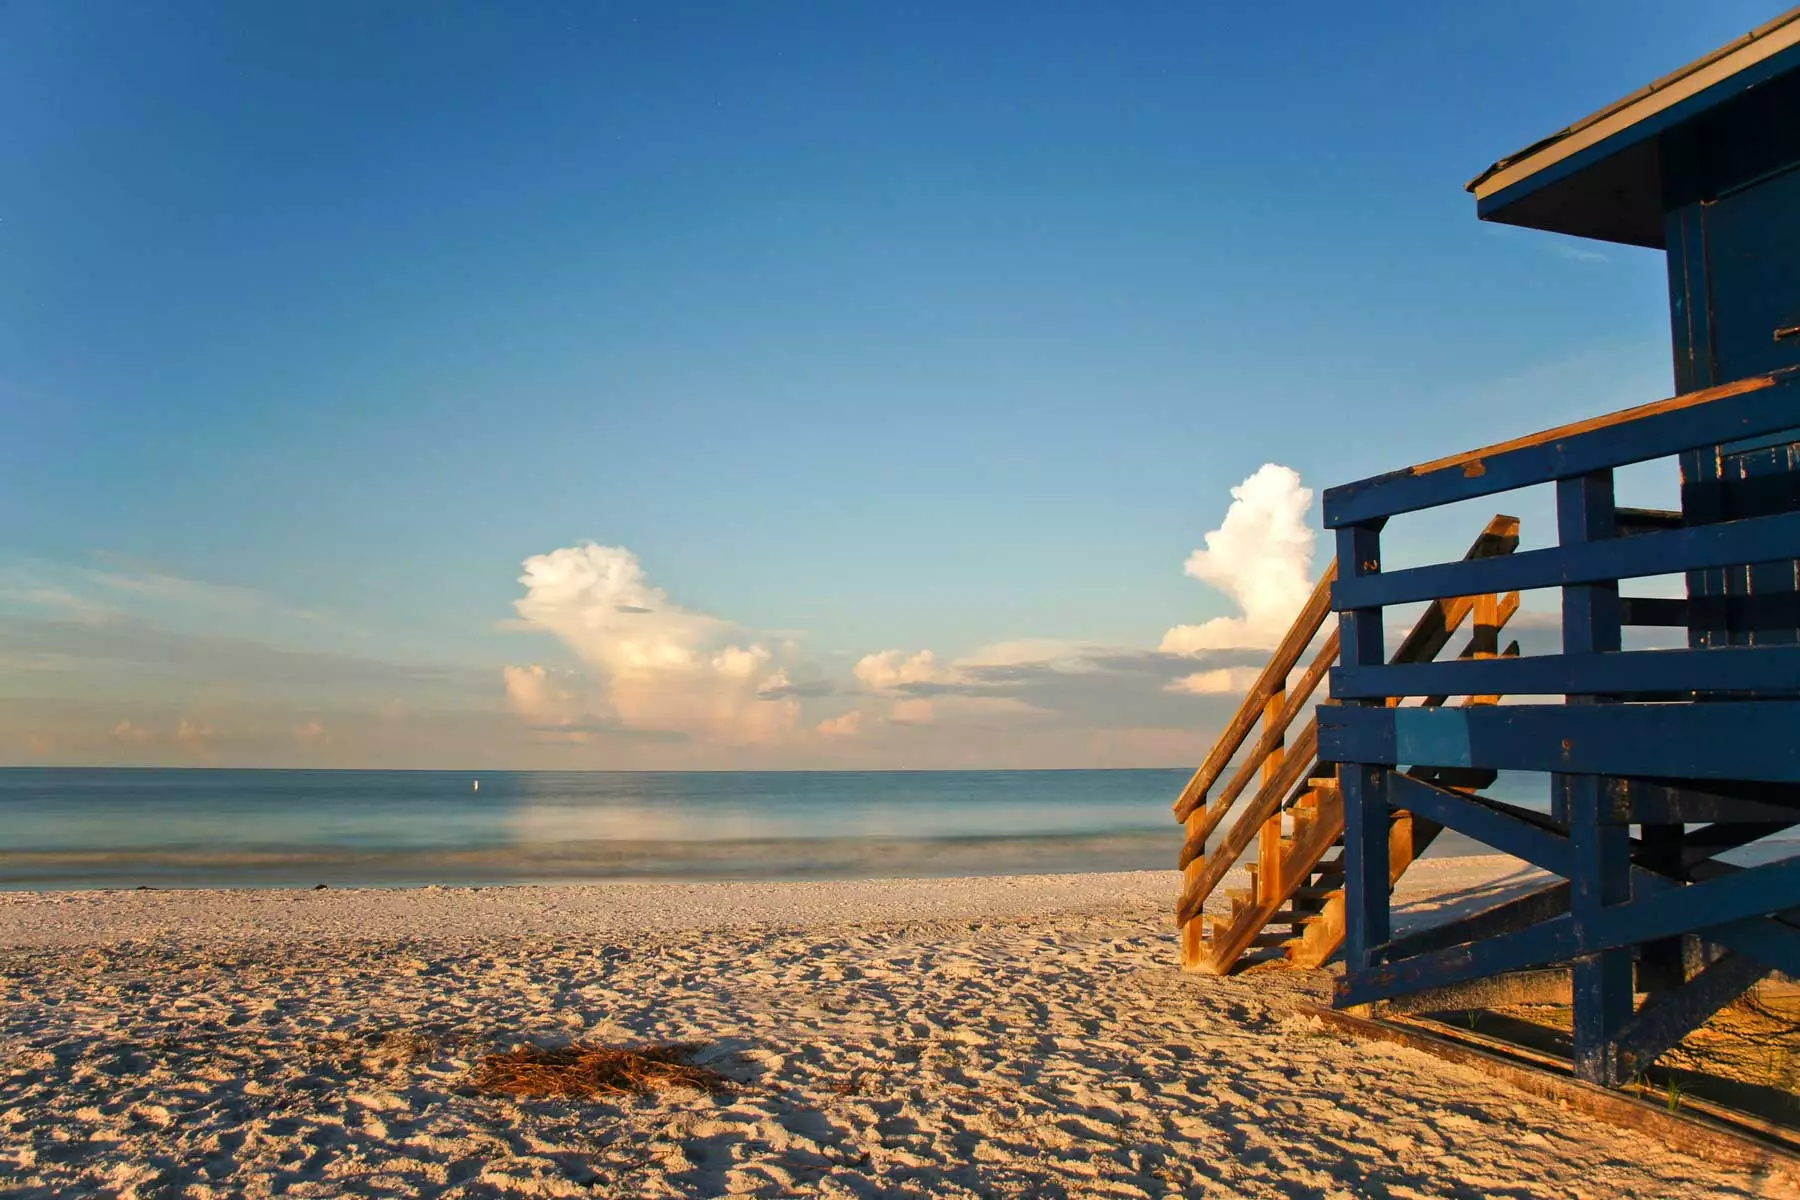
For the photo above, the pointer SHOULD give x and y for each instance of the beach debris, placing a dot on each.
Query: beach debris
(582, 1069)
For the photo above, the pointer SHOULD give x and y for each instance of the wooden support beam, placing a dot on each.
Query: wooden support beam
(1657, 802)
(1669, 1016)
(1600, 852)
(1549, 986)
(1511, 832)
(1719, 740)
(1653, 611)
(1765, 670)
(1646, 520)
(1364, 784)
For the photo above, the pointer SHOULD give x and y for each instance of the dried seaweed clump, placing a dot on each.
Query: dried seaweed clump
(582, 1069)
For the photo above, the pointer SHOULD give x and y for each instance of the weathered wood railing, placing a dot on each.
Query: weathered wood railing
(1296, 814)
(1663, 740)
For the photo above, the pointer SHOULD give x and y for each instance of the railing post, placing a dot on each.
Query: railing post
(1268, 850)
(1193, 933)
(1364, 785)
(1601, 849)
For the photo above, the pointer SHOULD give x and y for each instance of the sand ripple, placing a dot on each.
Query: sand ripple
(1016, 1055)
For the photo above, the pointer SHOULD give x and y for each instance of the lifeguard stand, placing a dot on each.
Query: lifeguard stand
(1701, 164)
(1658, 761)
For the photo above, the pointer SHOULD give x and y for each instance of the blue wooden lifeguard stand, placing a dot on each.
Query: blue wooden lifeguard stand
(1658, 761)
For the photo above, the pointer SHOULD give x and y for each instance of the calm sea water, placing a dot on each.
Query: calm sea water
(75, 828)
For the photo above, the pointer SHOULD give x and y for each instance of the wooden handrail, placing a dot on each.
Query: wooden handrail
(1428, 636)
(1273, 678)
(1272, 734)
(1298, 765)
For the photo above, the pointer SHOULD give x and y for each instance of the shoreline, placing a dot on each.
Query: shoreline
(107, 916)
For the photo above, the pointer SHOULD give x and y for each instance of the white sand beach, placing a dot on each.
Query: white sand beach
(1026, 1036)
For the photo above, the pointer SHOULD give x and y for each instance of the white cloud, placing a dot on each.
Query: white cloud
(1223, 681)
(846, 726)
(542, 695)
(890, 670)
(655, 665)
(130, 733)
(1260, 556)
(311, 733)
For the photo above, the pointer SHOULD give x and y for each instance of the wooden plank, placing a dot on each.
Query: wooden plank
(1653, 611)
(1538, 945)
(1645, 520)
(1764, 669)
(1744, 408)
(1703, 1137)
(1364, 786)
(1703, 740)
(1742, 894)
(1731, 543)
(1306, 626)
(1193, 931)
(1550, 986)
(1653, 802)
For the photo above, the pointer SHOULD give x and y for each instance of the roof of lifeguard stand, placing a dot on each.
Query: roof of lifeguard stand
(1602, 176)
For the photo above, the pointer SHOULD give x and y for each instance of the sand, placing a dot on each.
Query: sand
(957, 1037)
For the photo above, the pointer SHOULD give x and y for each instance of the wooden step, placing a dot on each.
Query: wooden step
(1293, 916)
(1269, 937)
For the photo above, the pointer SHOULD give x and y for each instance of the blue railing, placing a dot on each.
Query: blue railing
(1657, 740)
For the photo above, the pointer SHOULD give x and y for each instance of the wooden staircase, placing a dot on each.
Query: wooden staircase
(1294, 903)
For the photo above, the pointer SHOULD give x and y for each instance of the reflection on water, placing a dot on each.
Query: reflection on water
(112, 828)
(125, 828)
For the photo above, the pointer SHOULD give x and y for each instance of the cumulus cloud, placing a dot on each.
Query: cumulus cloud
(130, 733)
(896, 670)
(846, 726)
(653, 665)
(1218, 682)
(1260, 557)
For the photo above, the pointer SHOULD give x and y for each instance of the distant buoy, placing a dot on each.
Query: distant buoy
(478, 785)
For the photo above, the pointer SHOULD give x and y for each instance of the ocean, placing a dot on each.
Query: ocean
(122, 828)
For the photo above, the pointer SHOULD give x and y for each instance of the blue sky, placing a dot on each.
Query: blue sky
(863, 328)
